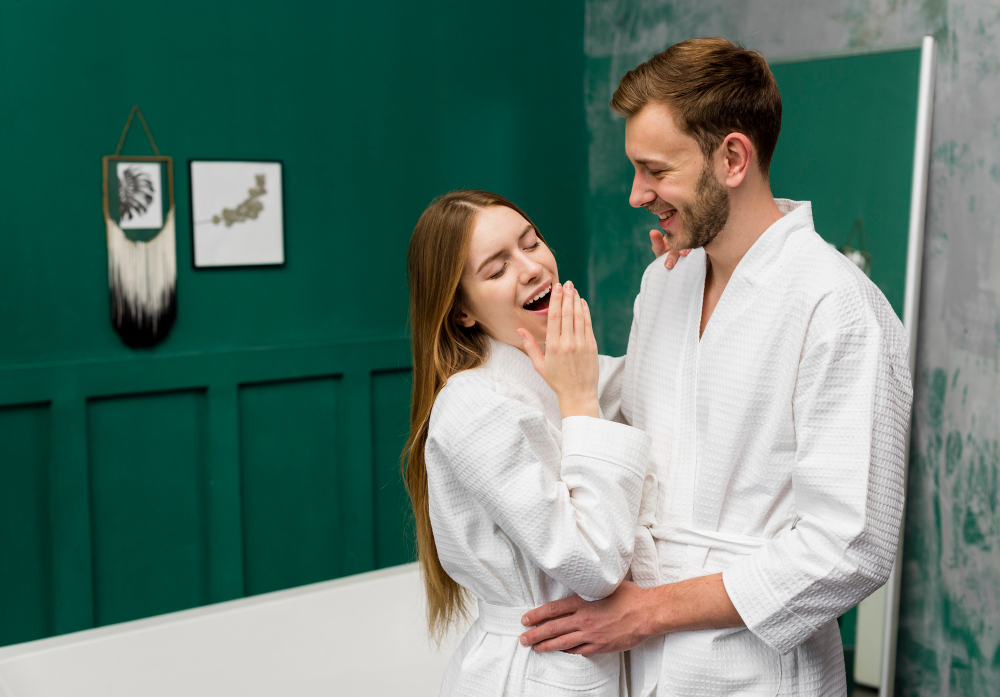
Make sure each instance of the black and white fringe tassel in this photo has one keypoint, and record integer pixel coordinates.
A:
(143, 279)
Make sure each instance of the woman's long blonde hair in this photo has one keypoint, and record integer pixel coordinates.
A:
(441, 347)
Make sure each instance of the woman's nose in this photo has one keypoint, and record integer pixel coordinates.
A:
(531, 270)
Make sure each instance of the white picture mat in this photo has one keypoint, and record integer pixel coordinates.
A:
(216, 186)
(153, 215)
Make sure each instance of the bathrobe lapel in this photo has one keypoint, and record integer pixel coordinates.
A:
(757, 268)
(517, 378)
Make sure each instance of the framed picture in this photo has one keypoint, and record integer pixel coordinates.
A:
(237, 213)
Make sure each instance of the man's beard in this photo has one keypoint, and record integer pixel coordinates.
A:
(707, 214)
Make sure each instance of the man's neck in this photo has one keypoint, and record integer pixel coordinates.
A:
(749, 218)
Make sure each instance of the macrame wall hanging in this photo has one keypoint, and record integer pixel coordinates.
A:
(142, 258)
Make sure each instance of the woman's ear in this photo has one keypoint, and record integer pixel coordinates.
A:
(463, 318)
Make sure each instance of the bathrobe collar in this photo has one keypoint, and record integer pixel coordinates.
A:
(516, 376)
(758, 266)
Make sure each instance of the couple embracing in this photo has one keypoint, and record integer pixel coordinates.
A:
(711, 502)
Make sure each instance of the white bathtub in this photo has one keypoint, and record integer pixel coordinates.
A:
(360, 635)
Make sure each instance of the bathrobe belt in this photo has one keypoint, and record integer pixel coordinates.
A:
(736, 544)
(645, 562)
(502, 620)
(506, 621)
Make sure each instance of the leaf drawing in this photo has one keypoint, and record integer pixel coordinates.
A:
(135, 193)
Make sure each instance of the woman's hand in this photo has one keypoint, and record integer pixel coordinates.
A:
(569, 363)
(660, 247)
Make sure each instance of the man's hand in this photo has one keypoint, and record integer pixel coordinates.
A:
(660, 247)
(619, 622)
(629, 616)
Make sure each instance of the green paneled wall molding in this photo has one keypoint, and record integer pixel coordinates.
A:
(132, 488)
(258, 446)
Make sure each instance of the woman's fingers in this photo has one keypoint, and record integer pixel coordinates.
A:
(587, 323)
(660, 247)
(579, 325)
(658, 243)
(533, 350)
(567, 310)
(554, 326)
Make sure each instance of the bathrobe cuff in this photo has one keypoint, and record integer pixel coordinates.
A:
(761, 608)
(612, 442)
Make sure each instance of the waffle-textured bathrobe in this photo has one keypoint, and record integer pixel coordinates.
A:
(778, 442)
(526, 508)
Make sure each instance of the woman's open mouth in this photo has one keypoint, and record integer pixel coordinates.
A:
(539, 302)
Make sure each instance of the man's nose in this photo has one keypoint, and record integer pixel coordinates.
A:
(641, 193)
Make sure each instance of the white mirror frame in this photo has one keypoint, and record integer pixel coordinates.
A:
(911, 306)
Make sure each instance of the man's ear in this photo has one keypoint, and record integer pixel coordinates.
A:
(737, 153)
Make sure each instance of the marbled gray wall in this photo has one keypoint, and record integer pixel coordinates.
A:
(950, 613)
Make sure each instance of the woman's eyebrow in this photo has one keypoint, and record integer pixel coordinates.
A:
(495, 255)
(490, 258)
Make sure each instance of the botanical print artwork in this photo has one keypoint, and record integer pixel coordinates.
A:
(140, 195)
(237, 213)
(247, 210)
(135, 193)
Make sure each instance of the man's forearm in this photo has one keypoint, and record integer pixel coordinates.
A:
(698, 603)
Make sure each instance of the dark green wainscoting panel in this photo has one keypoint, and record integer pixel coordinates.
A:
(137, 487)
(291, 460)
(391, 398)
(148, 490)
(25, 570)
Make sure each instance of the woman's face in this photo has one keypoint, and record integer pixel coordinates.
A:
(508, 267)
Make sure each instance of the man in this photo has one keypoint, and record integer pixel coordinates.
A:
(772, 376)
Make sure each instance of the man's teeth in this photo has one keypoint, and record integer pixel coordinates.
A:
(665, 215)
(540, 295)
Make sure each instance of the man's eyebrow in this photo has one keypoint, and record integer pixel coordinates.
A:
(647, 163)
(495, 255)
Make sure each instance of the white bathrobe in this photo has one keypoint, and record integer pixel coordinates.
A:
(528, 507)
(778, 442)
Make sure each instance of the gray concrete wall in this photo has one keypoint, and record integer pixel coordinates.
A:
(950, 612)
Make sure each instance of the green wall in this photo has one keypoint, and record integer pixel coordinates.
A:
(256, 447)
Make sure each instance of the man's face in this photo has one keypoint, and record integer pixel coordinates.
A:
(673, 179)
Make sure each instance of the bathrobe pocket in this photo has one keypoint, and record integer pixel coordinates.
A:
(716, 662)
(558, 673)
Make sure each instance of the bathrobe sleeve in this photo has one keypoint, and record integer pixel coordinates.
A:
(570, 510)
(851, 410)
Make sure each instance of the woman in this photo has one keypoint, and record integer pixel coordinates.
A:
(522, 494)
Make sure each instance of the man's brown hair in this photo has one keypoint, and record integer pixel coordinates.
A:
(713, 88)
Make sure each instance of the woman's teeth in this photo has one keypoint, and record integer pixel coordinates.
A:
(539, 296)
